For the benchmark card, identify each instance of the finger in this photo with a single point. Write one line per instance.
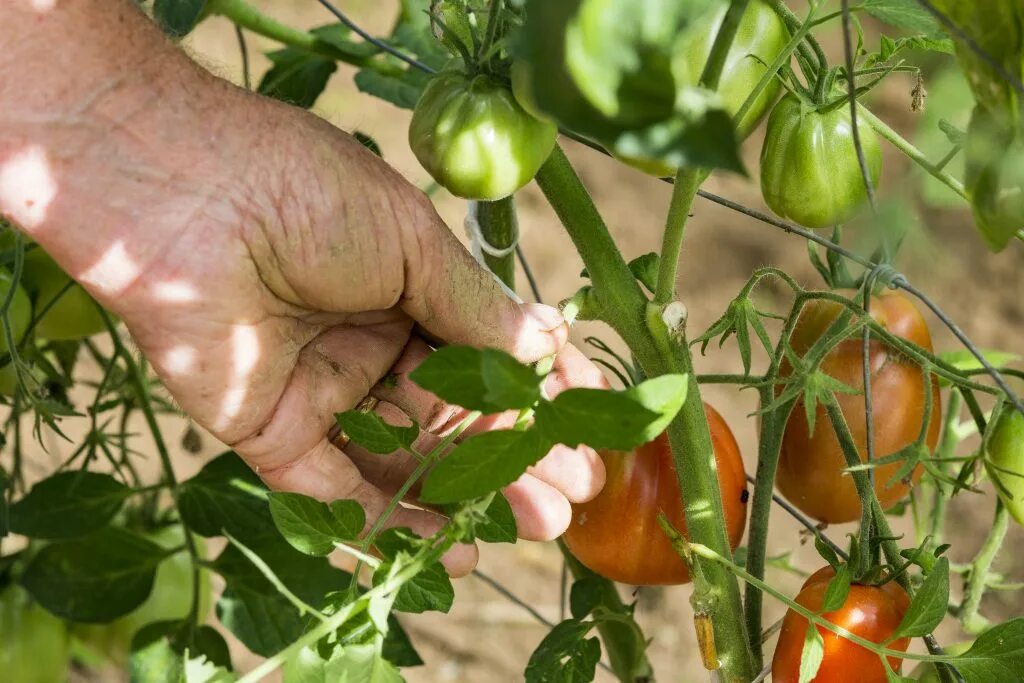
(541, 512)
(327, 474)
(576, 473)
(454, 298)
(332, 374)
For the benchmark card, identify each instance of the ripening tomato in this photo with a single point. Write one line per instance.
(810, 173)
(472, 136)
(811, 466)
(871, 612)
(617, 533)
(1004, 459)
(74, 315)
(33, 642)
(170, 599)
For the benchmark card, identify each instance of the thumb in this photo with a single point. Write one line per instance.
(455, 299)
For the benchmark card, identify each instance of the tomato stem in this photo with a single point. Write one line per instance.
(500, 230)
(970, 618)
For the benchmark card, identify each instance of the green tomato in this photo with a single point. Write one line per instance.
(74, 316)
(475, 139)
(994, 178)
(809, 168)
(34, 644)
(170, 599)
(1004, 459)
(925, 671)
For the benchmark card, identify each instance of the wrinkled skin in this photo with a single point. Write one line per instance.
(270, 268)
(871, 612)
(617, 533)
(811, 464)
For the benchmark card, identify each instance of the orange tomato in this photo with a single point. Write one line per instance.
(811, 465)
(871, 612)
(617, 533)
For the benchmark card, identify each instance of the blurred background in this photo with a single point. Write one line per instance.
(486, 637)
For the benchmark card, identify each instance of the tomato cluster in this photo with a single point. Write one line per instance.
(617, 533)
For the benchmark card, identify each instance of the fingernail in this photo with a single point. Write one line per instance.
(543, 318)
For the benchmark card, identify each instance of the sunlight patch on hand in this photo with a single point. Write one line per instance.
(113, 272)
(245, 353)
(176, 292)
(27, 187)
(179, 360)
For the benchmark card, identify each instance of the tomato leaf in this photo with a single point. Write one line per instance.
(997, 654)
(585, 595)
(362, 662)
(837, 591)
(67, 505)
(397, 647)
(565, 655)
(178, 17)
(929, 605)
(645, 269)
(226, 496)
(487, 380)
(905, 14)
(297, 76)
(498, 524)
(965, 361)
(483, 463)
(158, 651)
(313, 527)
(812, 654)
(370, 431)
(96, 578)
(618, 420)
(430, 589)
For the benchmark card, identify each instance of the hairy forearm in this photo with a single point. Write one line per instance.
(97, 109)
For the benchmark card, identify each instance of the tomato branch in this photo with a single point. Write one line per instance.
(978, 576)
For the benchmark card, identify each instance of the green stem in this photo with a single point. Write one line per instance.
(245, 15)
(140, 384)
(913, 153)
(499, 231)
(626, 653)
(970, 618)
(683, 192)
(945, 451)
(723, 41)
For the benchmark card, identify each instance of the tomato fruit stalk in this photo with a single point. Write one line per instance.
(810, 173)
(617, 533)
(871, 612)
(811, 464)
(474, 139)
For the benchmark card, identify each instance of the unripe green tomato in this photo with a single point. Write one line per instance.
(170, 599)
(809, 168)
(74, 316)
(475, 139)
(1004, 460)
(761, 35)
(34, 644)
(925, 672)
(994, 178)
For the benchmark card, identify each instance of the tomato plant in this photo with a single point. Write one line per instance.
(871, 612)
(492, 87)
(617, 533)
(809, 168)
(35, 643)
(811, 462)
(475, 139)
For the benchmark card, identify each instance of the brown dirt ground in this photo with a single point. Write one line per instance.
(487, 638)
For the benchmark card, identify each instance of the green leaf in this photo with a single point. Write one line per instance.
(483, 463)
(997, 655)
(905, 14)
(403, 90)
(430, 589)
(297, 76)
(226, 496)
(178, 17)
(67, 505)
(368, 142)
(565, 655)
(487, 380)
(498, 524)
(929, 605)
(252, 609)
(618, 420)
(812, 653)
(585, 595)
(5, 484)
(645, 269)
(96, 578)
(158, 651)
(965, 361)
(837, 591)
(313, 527)
(350, 664)
(397, 647)
(370, 431)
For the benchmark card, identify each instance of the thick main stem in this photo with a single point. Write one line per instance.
(499, 232)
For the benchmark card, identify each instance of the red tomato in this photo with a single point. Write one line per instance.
(617, 533)
(811, 466)
(871, 612)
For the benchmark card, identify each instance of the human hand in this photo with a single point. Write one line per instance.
(272, 271)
